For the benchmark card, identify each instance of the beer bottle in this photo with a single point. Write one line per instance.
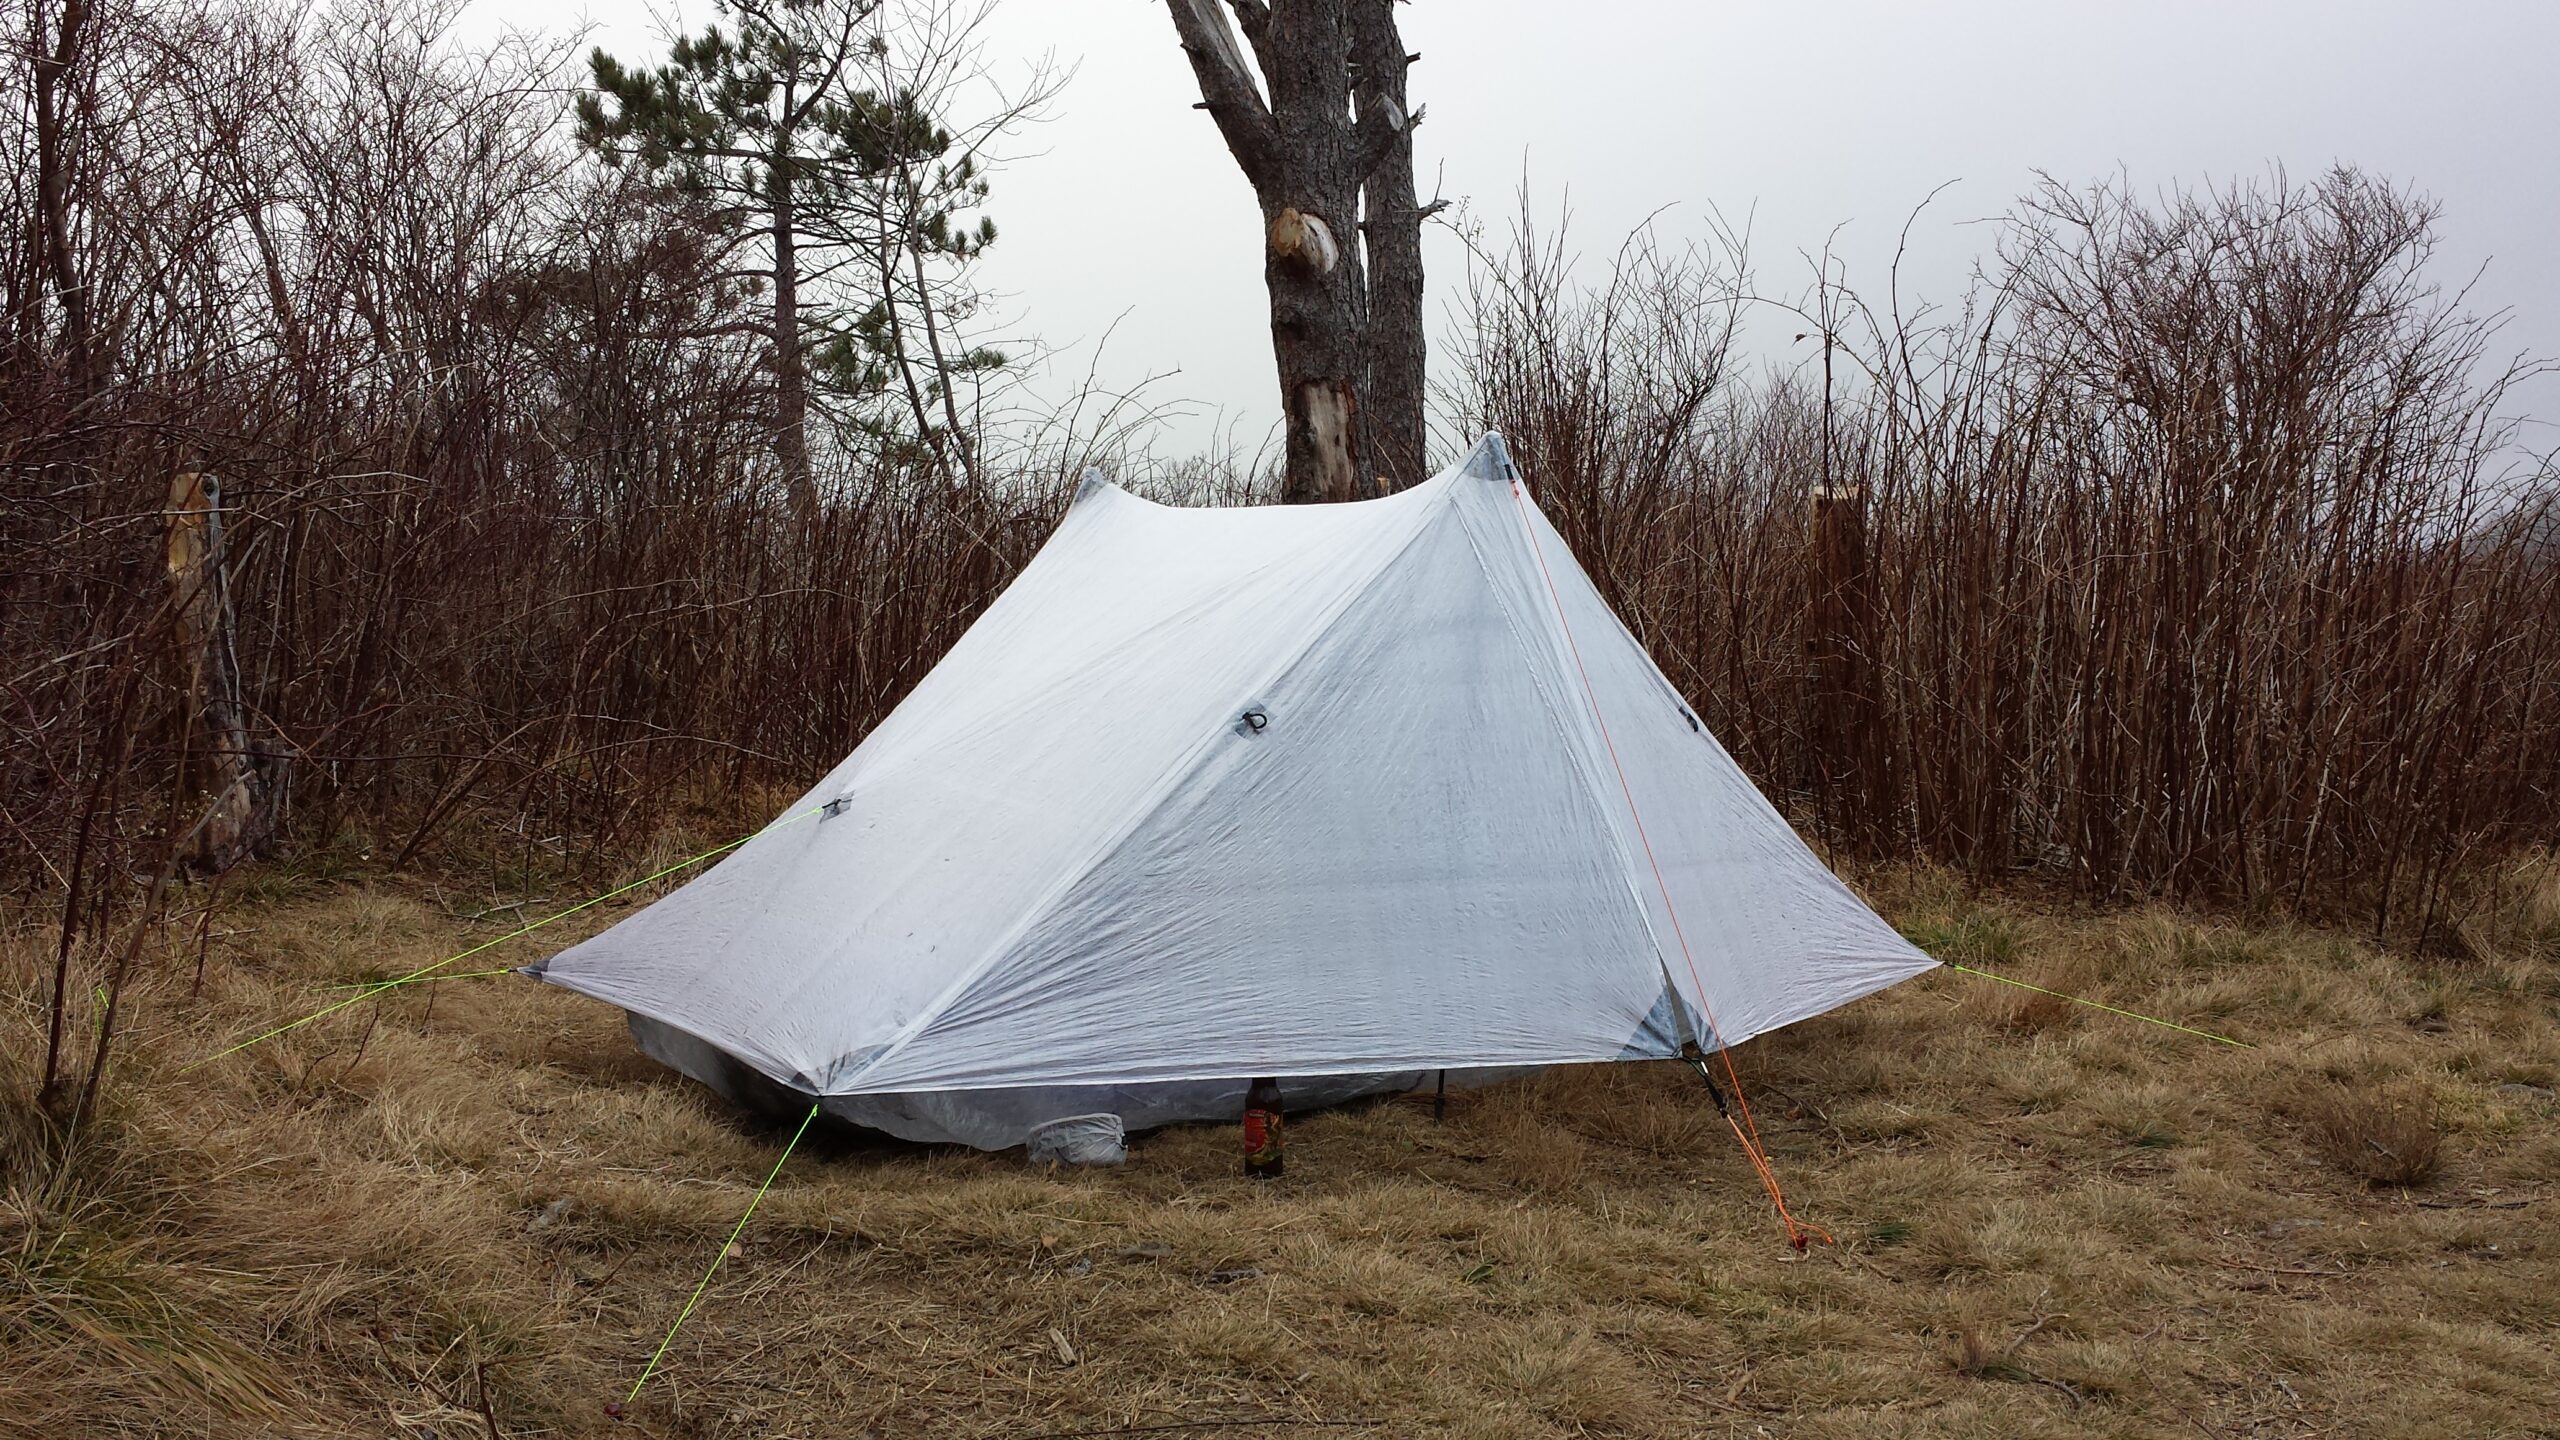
(1262, 1130)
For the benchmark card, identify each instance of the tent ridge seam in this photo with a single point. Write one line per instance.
(1145, 810)
(1590, 781)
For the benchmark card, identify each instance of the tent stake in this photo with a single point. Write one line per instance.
(1440, 1098)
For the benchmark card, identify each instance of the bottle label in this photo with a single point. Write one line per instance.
(1261, 1134)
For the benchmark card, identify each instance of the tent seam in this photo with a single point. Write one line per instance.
(1146, 810)
(1591, 792)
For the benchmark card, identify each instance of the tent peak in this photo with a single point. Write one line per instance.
(1490, 460)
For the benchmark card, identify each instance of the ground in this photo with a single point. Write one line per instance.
(471, 1209)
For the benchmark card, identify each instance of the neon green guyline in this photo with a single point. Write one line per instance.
(376, 987)
(734, 1232)
(368, 991)
(2094, 1005)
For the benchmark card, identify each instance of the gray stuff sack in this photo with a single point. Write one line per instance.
(1077, 1140)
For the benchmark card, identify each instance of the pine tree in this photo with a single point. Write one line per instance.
(834, 192)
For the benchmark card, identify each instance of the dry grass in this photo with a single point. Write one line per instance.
(2390, 1137)
(2050, 1221)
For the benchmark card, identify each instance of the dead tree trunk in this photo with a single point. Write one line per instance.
(234, 825)
(56, 78)
(1392, 433)
(1847, 740)
(1307, 159)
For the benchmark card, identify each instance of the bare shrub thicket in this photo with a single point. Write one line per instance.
(490, 429)
(489, 522)
(2195, 554)
(2191, 557)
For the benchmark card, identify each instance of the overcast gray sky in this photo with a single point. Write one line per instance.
(1125, 209)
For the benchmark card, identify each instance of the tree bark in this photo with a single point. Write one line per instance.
(1315, 338)
(1307, 160)
(232, 827)
(55, 77)
(1393, 436)
(790, 367)
(1839, 639)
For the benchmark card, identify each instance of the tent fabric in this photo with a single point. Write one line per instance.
(1363, 790)
(997, 1119)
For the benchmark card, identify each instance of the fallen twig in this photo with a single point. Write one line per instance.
(2041, 1322)
(2281, 1269)
(1206, 1425)
(2065, 1386)
(488, 1412)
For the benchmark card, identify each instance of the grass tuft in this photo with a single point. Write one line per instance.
(2384, 1135)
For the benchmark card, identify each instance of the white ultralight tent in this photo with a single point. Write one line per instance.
(1346, 794)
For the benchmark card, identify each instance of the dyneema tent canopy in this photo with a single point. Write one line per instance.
(1351, 793)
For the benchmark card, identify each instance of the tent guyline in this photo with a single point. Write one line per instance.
(367, 990)
(1691, 1055)
(376, 987)
(2097, 1005)
(1746, 1130)
(722, 1254)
